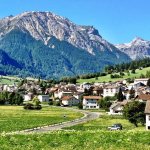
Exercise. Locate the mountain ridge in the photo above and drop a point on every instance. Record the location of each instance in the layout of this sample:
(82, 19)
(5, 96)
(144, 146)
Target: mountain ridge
(48, 45)
(138, 48)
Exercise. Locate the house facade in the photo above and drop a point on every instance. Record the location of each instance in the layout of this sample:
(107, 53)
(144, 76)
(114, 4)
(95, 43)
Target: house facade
(86, 85)
(142, 80)
(43, 98)
(147, 113)
(117, 108)
(69, 101)
(110, 91)
(91, 102)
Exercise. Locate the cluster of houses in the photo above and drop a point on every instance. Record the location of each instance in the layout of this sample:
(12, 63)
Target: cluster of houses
(73, 94)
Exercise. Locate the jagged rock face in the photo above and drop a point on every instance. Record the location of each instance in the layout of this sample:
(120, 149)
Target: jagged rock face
(136, 49)
(47, 45)
(43, 25)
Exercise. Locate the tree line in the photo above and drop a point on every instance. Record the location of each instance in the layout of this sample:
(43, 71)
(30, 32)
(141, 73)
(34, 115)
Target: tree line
(10, 98)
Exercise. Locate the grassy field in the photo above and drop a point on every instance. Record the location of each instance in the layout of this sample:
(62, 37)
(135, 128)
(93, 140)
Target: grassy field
(14, 118)
(13, 79)
(104, 121)
(107, 78)
(77, 140)
(9, 80)
(88, 136)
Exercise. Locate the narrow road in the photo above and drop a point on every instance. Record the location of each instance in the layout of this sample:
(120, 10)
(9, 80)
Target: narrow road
(87, 117)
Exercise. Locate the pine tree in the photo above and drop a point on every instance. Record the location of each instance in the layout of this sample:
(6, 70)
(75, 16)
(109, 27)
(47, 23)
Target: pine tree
(120, 96)
(148, 82)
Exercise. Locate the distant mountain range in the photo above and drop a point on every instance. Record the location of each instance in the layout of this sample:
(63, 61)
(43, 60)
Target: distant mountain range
(136, 49)
(47, 45)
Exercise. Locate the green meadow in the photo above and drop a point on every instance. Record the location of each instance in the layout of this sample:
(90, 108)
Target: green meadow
(13, 118)
(107, 78)
(92, 135)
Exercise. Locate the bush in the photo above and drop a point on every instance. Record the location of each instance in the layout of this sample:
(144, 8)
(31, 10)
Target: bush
(80, 106)
(50, 103)
(57, 103)
(39, 107)
(30, 106)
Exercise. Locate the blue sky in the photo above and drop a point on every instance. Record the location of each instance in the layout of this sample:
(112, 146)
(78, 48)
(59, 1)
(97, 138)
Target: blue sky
(118, 21)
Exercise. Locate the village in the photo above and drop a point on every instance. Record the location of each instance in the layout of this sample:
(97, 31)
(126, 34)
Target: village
(88, 96)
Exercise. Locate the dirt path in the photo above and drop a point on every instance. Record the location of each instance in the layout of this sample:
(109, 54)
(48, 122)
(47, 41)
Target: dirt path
(87, 117)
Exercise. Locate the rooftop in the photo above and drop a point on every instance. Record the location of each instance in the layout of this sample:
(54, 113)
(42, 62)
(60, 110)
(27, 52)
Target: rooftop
(92, 97)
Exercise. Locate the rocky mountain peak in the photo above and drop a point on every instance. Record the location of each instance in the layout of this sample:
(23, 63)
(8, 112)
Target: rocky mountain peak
(47, 45)
(137, 41)
(43, 25)
(138, 48)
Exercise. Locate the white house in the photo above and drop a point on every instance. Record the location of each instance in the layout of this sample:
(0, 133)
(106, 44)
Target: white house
(91, 102)
(147, 113)
(86, 85)
(43, 98)
(78, 95)
(27, 97)
(117, 108)
(110, 90)
(142, 80)
(69, 101)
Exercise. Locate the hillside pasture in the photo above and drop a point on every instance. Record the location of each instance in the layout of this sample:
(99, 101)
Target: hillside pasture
(13, 118)
(107, 78)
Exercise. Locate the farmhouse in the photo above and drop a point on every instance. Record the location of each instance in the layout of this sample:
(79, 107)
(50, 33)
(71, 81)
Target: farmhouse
(91, 102)
(69, 101)
(143, 80)
(117, 107)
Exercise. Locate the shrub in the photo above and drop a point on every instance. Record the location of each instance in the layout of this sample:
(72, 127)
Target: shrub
(80, 106)
(50, 103)
(30, 106)
(39, 107)
(57, 103)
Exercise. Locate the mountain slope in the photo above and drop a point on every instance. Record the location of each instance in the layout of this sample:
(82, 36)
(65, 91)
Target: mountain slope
(48, 45)
(7, 64)
(136, 49)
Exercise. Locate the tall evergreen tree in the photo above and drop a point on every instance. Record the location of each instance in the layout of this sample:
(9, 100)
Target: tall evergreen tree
(120, 96)
(148, 82)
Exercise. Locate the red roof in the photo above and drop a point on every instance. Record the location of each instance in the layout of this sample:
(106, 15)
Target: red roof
(64, 98)
(144, 97)
(92, 97)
